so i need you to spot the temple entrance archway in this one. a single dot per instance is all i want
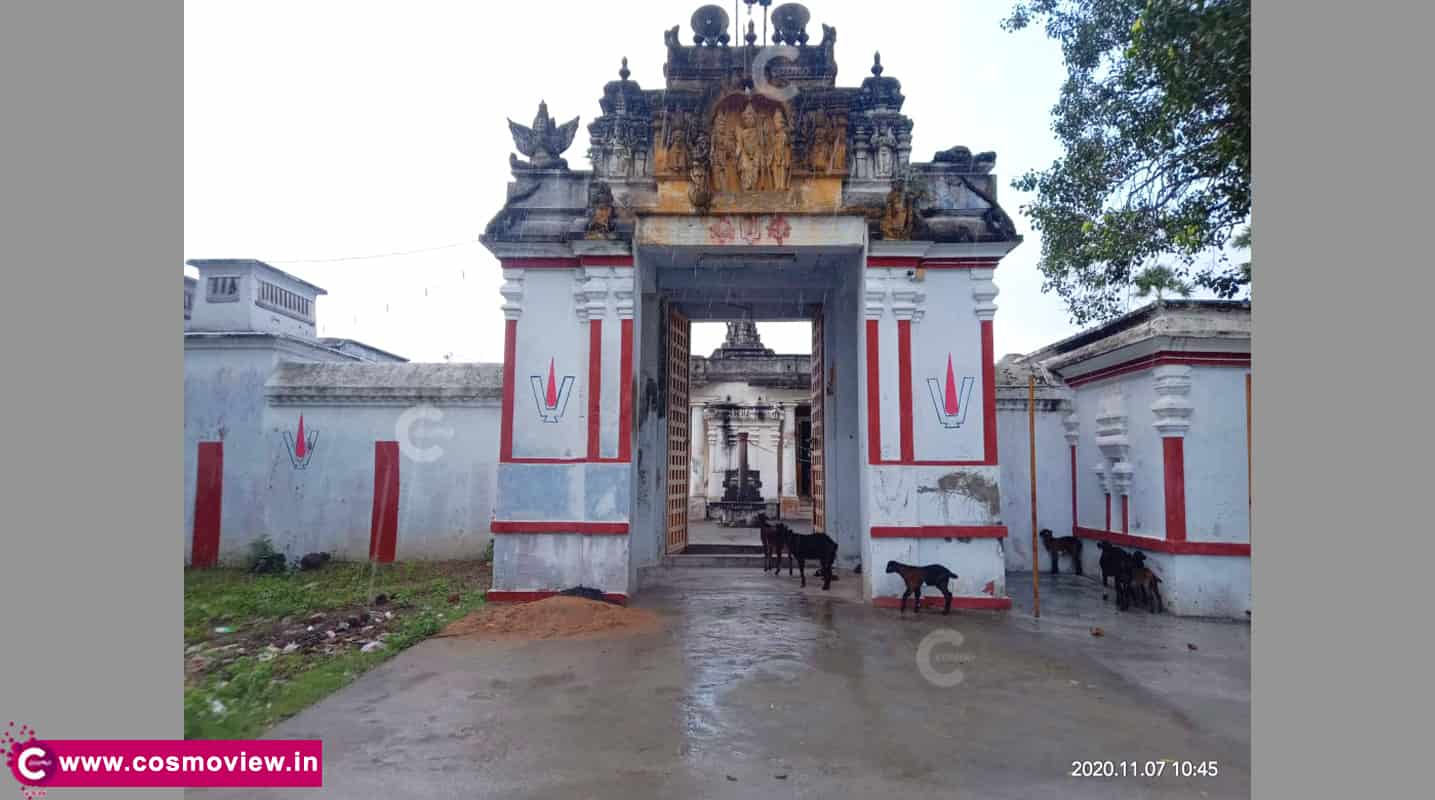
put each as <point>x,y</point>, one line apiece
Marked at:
<point>818,283</point>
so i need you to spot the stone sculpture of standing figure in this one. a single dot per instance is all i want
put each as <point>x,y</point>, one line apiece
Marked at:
<point>886,142</point>
<point>781,152</point>
<point>749,150</point>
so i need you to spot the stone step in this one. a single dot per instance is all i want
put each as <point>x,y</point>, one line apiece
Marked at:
<point>723,549</point>
<point>740,560</point>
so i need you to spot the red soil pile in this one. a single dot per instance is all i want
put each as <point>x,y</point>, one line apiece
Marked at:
<point>557,617</point>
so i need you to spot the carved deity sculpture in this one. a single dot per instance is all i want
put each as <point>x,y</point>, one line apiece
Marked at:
<point>885,143</point>
<point>600,219</point>
<point>724,155</point>
<point>899,214</point>
<point>861,165</point>
<point>781,152</point>
<point>677,149</point>
<point>543,142</point>
<point>749,150</point>
<point>819,154</point>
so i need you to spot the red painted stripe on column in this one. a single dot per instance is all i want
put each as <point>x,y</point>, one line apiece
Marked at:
<point>874,396</point>
<point>510,348</point>
<point>1173,456</point>
<point>384,530</point>
<point>208,497</point>
<point>989,392</point>
<point>1108,512</point>
<point>595,384</point>
<point>1125,503</point>
<point>1074,519</point>
<point>904,387</point>
<point>625,402</point>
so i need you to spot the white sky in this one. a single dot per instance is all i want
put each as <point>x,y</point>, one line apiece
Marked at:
<point>324,130</point>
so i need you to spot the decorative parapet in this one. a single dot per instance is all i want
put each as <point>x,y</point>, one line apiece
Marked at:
<point>1101,469</point>
<point>984,291</point>
<point>1173,406</point>
<point>512,291</point>
<point>623,295</point>
<point>909,301</point>
<point>590,293</point>
<point>875,293</point>
<point>1115,445</point>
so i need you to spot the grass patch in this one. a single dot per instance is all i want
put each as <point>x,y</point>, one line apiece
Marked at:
<point>290,641</point>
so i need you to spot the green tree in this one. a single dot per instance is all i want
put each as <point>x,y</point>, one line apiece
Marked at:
<point>1155,121</point>
<point>1159,280</point>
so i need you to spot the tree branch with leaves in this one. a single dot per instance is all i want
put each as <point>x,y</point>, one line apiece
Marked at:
<point>1155,121</point>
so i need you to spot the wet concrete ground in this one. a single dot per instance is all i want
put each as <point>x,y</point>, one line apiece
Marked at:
<point>757,688</point>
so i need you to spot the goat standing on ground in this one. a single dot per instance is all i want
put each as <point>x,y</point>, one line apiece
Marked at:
<point>772,539</point>
<point>930,575</point>
<point>1111,558</point>
<point>818,547</point>
<point>1055,546</point>
<point>1142,579</point>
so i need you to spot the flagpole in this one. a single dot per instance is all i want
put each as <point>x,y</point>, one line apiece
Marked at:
<point>1031,426</point>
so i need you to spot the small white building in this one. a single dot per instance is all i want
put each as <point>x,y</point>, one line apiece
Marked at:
<point>324,444</point>
<point>1143,441</point>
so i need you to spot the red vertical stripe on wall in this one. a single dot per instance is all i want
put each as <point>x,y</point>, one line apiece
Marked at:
<point>510,347</point>
<point>1124,504</point>
<point>874,397</point>
<point>595,385</point>
<point>384,532</point>
<point>1075,520</point>
<point>989,392</point>
<point>208,496</point>
<point>1108,512</point>
<point>625,401</point>
<point>904,386</point>
<point>1173,452</point>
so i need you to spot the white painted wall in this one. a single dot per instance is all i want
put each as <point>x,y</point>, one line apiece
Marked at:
<point>1053,476</point>
<point>224,401</point>
<point>445,504</point>
<point>1217,496</point>
<point>977,562</point>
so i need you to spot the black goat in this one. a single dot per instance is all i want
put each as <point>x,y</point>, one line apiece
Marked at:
<point>1112,557</point>
<point>818,547</point>
<point>772,541</point>
<point>314,561</point>
<point>270,564</point>
<point>1056,545</point>
<point>915,577</point>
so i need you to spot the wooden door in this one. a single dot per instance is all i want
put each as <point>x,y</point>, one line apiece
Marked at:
<point>819,396</point>
<point>679,439</point>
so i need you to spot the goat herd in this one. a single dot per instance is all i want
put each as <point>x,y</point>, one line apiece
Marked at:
<point>1134,581</point>
<point>777,537</point>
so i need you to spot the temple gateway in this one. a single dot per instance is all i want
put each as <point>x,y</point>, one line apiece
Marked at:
<point>749,187</point>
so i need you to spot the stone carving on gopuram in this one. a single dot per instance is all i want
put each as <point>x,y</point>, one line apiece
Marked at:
<point>747,127</point>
